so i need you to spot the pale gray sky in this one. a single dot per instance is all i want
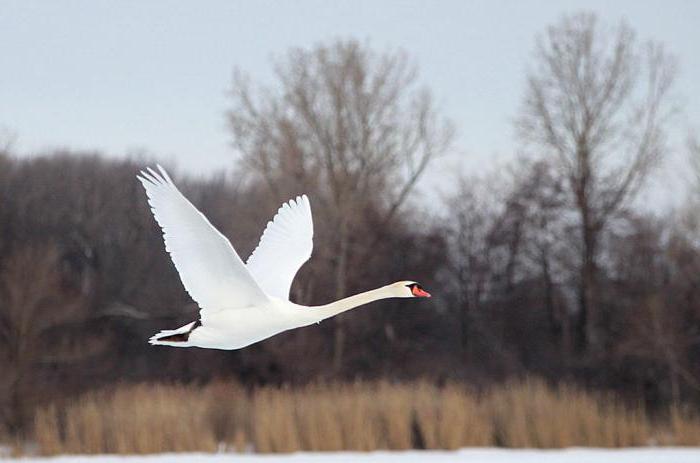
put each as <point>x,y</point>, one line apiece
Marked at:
<point>123,76</point>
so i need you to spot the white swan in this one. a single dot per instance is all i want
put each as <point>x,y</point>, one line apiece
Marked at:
<point>241,304</point>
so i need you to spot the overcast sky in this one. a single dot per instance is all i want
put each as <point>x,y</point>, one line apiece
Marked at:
<point>126,76</point>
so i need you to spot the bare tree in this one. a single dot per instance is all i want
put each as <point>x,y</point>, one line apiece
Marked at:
<point>348,124</point>
<point>473,212</point>
<point>657,319</point>
<point>508,264</point>
<point>598,101</point>
<point>34,300</point>
<point>534,230</point>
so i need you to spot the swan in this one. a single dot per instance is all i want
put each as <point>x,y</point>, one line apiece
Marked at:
<point>241,304</point>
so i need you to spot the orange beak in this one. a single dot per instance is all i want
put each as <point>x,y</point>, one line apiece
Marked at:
<point>418,292</point>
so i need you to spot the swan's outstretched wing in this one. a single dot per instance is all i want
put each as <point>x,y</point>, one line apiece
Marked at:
<point>211,271</point>
<point>285,245</point>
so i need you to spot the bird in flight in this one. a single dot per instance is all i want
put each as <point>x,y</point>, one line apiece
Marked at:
<point>243,303</point>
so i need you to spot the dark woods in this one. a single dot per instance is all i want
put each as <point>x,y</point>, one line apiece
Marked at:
<point>543,268</point>
<point>85,281</point>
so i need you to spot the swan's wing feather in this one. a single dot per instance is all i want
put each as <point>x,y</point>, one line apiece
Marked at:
<point>284,246</point>
<point>209,267</point>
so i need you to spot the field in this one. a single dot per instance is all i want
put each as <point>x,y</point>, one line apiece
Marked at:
<point>225,417</point>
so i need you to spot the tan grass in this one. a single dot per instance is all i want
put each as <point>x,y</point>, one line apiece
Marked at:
<point>684,427</point>
<point>356,416</point>
<point>532,414</point>
<point>47,430</point>
<point>357,412</point>
<point>318,419</point>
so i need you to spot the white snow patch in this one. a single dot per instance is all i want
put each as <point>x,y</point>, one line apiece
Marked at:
<point>473,455</point>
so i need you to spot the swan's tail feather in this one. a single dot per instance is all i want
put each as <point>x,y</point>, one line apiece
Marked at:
<point>177,338</point>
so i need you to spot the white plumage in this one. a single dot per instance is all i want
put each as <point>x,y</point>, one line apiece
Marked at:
<point>284,246</point>
<point>242,303</point>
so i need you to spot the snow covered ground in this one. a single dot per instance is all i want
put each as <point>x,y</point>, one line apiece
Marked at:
<point>637,455</point>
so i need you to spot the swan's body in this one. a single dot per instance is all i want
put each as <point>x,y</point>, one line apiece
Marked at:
<point>241,304</point>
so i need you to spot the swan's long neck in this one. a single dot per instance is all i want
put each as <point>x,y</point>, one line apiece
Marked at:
<point>342,305</point>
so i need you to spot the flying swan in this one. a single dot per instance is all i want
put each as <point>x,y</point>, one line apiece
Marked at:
<point>241,304</point>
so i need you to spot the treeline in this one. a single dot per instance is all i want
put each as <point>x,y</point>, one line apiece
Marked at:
<point>543,268</point>
<point>85,280</point>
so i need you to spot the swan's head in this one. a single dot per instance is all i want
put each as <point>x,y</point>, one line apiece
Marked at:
<point>409,289</point>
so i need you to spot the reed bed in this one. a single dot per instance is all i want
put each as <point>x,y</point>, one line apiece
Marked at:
<point>360,416</point>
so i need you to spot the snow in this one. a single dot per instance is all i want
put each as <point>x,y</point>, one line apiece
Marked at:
<point>476,455</point>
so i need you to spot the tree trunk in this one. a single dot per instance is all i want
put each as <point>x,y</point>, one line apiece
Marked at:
<point>464,325</point>
<point>555,324</point>
<point>587,338</point>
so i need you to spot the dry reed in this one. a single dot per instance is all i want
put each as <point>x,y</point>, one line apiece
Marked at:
<point>356,416</point>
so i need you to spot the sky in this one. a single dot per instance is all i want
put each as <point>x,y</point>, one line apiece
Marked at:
<point>152,76</point>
